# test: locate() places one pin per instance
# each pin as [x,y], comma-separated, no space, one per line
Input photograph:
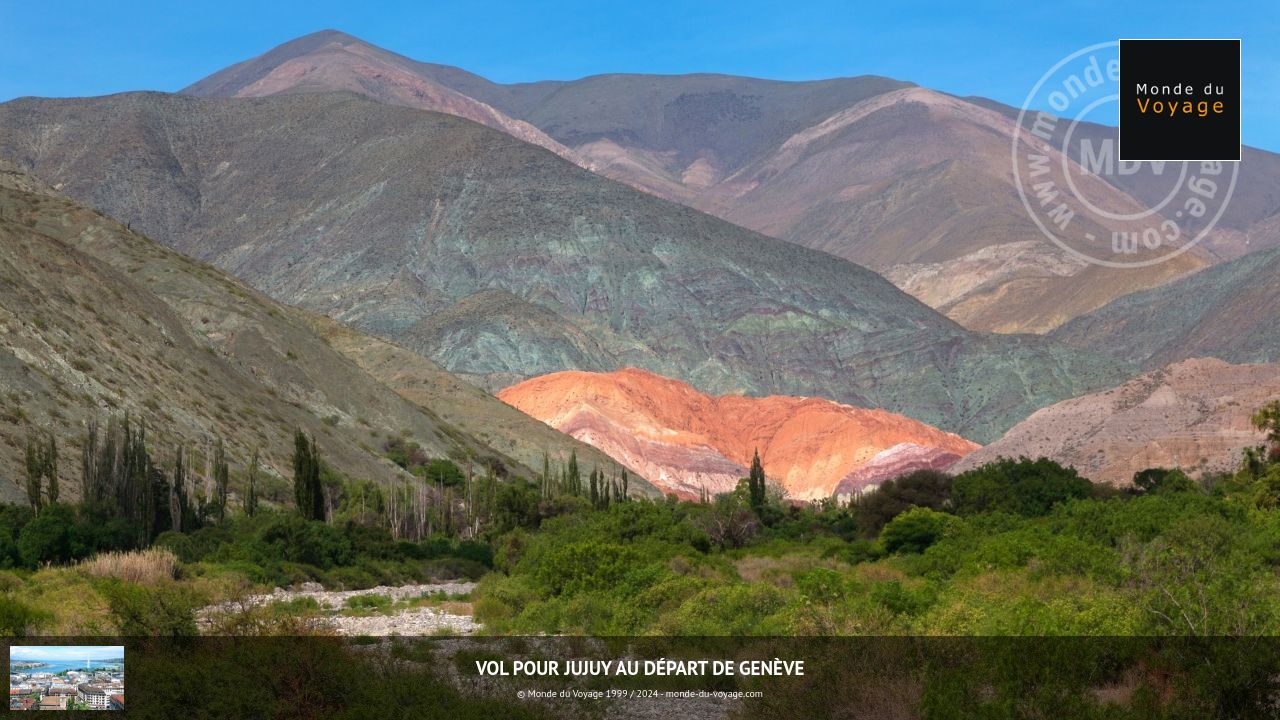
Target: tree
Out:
[35,472]
[915,530]
[1267,420]
[1159,481]
[756,483]
[47,538]
[1022,486]
[251,486]
[574,477]
[177,493]
[923,488]
[221,476]
[42,465]
[728,524]
[308,492]
[51,469]
[546,476]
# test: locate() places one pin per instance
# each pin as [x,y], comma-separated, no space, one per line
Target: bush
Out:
[310,542]
[163,610]
[915,530]
[1160,480]
[47,538]
[922,488]
[372,602]
[17,619]
[1023,487]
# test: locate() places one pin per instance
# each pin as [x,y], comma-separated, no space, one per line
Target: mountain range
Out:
[910,182]
[845,256]
[502,261]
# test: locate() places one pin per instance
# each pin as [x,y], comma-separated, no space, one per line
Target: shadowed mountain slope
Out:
[97,321]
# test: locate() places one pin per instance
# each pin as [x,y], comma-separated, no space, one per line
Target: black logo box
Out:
[1181,65]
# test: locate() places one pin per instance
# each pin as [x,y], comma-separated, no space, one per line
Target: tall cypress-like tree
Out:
[50,467]
[177,493]
[251,486]
[35,472]
[307,491]
[302,464]
[756,482]
[574,478]
[317,487]
[546,476]
[221,476]
[301,471]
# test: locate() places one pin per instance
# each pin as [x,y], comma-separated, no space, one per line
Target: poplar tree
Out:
[756,483]
[308,494]
[221,476]
[251,486]
[35,472]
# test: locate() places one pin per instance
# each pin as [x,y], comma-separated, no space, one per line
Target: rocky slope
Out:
[96,320]
[894,462]
[501,261]
[1228,311]
[1193,414]
[685,441]
[461,404]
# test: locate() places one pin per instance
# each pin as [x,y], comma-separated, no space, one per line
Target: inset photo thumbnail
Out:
[66,677]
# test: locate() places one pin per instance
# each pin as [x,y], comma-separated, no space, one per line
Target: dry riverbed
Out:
[431,609]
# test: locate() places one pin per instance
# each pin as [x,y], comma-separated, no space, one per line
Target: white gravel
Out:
[412,621]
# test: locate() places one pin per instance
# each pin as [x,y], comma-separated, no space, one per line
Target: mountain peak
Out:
[229,81]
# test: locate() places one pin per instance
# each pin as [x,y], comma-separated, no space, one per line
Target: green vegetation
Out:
[1017,547]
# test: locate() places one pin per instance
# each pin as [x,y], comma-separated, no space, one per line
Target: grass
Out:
[146,567]
[368,604]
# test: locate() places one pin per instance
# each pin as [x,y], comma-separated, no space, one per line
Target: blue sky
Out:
[984,48]
[66,652]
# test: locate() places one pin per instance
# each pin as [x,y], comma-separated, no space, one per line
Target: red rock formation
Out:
[1193,415]
[683,440]
[894,462]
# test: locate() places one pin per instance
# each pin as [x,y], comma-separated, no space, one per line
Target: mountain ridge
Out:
[381,216]
[693,138]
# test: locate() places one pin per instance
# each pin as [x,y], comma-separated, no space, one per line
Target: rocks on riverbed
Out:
[411,621]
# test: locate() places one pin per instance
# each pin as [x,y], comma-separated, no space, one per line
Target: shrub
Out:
[162,610]
[311,542]
[372,602]
[18,619]
[1023,487]
[47,538]
[922,488]
[1160,480]
[142,566]
[738,609]
[915,530]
